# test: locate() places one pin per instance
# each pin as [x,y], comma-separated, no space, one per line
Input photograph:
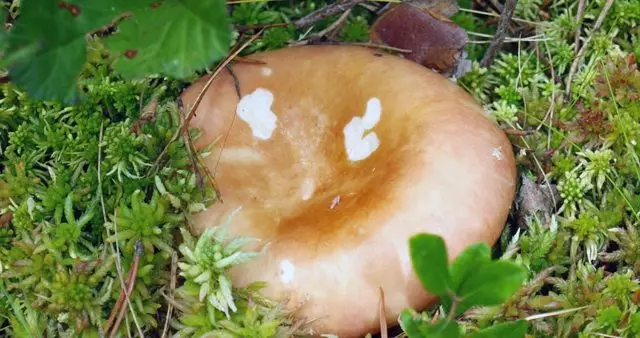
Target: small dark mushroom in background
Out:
[336,157]
[433,40]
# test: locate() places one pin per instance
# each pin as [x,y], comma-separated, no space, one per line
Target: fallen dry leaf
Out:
[535,199]
[434,41]
[148,115]
[5,219]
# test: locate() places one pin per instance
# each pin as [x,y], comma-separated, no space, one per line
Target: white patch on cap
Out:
[335,202]
[308,188]
[497,153]
[255,110]
[266,71]
[406,264]
[359,146]
[287,270]
[244,155]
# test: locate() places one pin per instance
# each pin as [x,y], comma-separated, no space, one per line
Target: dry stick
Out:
[325,12]
[583,49]
[193,108]
[236,84]
[518,132]
[123,292]
[132,281]
[501,33]
[191,151]
[172,286]
[579,14]
[363,44]
[116,250]
[552,108]
[310,19]
[333,27]
[383,316]
[244,28]
[536,282]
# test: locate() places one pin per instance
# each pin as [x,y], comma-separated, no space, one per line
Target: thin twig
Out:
[347,43]
[501,33]
[583,49]
[124,294]
[172,288]
[552,107]
[555,313]
[244,28]
[333,28]
[195,105]
[132,281]
[191,150]
[325,12]
[528,22]
[536,282]
[310,19]
[236,84]
[579,14]
[383,316]
[114,248]
[518,132]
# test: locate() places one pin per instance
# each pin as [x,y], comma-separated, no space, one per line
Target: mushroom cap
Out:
[335,156]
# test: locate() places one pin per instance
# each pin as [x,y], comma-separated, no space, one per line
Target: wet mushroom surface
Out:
[334,156]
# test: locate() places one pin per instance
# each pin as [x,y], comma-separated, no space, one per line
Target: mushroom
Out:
[335,156]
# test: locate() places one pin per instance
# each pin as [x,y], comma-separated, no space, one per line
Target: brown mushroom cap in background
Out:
[338,222]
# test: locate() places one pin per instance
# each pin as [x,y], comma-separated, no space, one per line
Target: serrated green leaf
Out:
[517,329]
[93,15]
[174,39]
[429,258]
[51,35]
[491,285]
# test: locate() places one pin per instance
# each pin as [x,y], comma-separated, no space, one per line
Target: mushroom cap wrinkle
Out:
[336,156]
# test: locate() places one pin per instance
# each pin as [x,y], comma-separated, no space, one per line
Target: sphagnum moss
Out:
[66,171]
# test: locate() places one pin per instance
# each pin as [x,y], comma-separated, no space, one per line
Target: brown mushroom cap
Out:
[337,155]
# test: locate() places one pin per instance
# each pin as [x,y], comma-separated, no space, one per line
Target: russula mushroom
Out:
[335,156]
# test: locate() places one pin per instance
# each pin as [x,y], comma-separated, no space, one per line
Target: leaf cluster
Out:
[473,279]
[47,41]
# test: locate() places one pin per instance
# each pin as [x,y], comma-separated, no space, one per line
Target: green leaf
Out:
[429,258]
[93,15]
[516,329]
[443,329]
[492,285]
[174,39]
[51,37]
[411,325]
[468,262]
[415,327]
